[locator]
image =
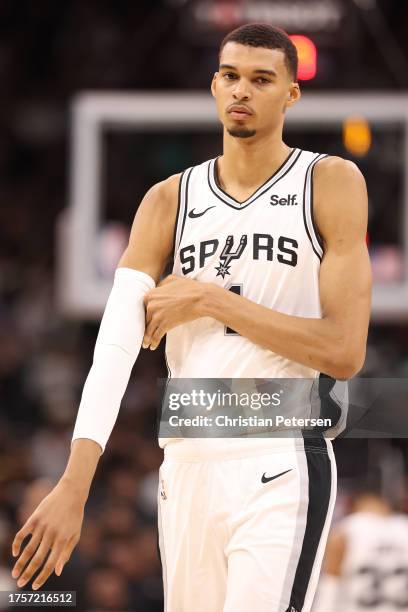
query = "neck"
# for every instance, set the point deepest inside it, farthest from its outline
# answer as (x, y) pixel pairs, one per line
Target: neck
(373, 505)
(250, 161)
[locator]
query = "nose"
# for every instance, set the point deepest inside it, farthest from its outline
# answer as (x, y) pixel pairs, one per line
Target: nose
(241, 90)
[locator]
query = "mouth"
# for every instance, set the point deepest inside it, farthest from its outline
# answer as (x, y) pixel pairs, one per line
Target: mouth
(239, 112)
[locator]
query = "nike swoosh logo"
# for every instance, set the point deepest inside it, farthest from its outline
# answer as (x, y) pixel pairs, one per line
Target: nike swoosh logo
(194, 215)
(265, 479)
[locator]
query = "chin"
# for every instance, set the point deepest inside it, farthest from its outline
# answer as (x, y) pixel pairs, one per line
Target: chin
(241, 132)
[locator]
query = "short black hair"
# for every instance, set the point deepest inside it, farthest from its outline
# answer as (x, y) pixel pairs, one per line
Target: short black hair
(267, 36)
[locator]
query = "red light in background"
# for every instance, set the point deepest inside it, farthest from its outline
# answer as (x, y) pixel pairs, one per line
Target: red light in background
(307, 56)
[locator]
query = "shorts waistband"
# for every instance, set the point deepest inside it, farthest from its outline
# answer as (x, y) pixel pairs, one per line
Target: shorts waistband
(205, 449)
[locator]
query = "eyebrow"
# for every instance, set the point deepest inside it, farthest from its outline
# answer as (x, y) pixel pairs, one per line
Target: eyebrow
(257, 71)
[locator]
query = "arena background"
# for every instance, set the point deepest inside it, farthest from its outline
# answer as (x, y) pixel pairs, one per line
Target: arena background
(51, 54)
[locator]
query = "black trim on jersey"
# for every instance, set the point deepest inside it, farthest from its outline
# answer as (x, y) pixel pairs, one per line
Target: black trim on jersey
(177, 214)
(176, 225)
(242, 205)
(189, 170)
(169, 374)
(217, 182)
(329, 407)
(316, 231)
(320, 491)
(186, 205)
(304, 206)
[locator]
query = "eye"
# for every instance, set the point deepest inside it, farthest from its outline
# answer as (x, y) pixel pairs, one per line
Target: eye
(262, 80)
(229, 76)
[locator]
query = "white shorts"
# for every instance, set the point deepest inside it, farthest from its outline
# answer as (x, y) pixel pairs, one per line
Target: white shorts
(243, 524)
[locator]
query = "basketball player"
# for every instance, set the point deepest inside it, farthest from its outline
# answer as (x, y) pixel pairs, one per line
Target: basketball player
(366, 561)
(242, 523)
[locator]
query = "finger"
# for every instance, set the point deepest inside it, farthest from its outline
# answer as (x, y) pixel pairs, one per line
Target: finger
(156, 338)
(27, 553)
(149, 331)
(65, 555)
(37, 560)
(26, 529)
(49, 565)
(149, 312)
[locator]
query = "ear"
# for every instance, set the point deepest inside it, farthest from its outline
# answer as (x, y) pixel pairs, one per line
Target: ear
(293, 95)
(213, 83)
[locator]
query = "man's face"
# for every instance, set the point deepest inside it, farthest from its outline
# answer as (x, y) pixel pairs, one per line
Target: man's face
(252, 89)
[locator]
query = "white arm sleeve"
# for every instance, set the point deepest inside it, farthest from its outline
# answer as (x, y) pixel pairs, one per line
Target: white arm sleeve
(117, 346)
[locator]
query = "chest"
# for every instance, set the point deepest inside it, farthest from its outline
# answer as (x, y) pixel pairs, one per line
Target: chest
(267, 233)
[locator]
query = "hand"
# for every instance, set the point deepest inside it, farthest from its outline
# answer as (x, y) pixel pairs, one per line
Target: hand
(174, 301)
(55, 524)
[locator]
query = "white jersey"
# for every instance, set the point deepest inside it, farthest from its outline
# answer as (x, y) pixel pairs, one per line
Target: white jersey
(375, 567)
(266, 249)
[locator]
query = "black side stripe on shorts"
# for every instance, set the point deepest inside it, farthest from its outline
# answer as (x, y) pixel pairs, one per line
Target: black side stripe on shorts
(320, 484)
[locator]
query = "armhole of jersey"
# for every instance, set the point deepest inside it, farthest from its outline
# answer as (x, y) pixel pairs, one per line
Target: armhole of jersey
(181, 209)
(311, 229)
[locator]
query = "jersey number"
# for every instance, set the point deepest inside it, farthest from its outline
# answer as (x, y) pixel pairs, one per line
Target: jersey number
(382, 587)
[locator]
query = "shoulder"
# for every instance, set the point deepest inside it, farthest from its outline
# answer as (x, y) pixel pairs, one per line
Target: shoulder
(167, 192)
(334, 169)
(400, 520)
(339, 190)
(162, 198)
(340, 203)
(167, 189)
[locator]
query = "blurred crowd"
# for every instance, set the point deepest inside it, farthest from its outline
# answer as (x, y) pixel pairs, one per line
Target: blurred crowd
(48, 52)
(116, 564)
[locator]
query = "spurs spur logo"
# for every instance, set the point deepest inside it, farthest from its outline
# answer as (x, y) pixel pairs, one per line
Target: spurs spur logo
(228, 255)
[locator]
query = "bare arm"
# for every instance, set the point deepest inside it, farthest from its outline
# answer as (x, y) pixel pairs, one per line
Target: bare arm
(329, 590)
(334, 554)
(151, 239)
(81, 466)
(334, 344)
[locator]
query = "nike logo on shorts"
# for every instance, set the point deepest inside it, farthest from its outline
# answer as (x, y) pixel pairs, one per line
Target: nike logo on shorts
(194, 215)
(268, 479)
